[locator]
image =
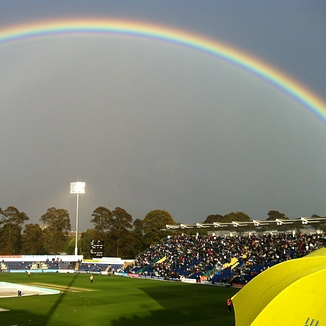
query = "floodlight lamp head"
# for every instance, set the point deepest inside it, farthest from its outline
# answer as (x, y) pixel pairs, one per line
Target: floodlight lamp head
(77, 187)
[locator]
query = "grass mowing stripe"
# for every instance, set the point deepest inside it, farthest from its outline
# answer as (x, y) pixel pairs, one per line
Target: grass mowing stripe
(60, 287)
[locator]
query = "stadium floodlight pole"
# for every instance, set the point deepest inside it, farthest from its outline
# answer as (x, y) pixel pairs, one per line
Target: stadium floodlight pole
(77, 188)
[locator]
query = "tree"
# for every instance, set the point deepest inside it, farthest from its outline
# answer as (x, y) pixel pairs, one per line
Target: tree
(70, 248)
(121, 243)
(10, 236)
(120, 236)
(56, 219)
(55, 235)
(273, 215)
(153, 224)
(32, 240)
(121, 219)
(12, 215)
(138, 234)
(102, 218)
(12, 221)
(214, 218)
(117, 227)
(238, 216)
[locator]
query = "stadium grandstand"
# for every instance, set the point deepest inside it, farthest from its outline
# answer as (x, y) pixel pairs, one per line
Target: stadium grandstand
(225, 254)
(229, 254)
(59, 264)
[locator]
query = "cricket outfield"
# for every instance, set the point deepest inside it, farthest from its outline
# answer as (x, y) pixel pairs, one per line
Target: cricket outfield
(110, 300)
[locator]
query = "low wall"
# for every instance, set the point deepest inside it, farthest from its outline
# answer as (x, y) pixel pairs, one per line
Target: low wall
(39, 258)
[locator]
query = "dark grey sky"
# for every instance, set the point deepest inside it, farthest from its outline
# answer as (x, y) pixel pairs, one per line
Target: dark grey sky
(150, 125)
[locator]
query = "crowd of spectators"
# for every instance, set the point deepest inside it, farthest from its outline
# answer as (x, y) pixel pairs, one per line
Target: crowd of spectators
(192, 256)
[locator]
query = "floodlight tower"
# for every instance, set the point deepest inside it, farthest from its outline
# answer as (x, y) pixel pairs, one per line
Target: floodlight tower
(77, 188)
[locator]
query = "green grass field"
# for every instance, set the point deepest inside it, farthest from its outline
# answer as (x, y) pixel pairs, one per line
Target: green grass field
(115, 300)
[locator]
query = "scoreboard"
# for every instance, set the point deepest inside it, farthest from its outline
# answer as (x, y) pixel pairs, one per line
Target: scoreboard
(97, 248)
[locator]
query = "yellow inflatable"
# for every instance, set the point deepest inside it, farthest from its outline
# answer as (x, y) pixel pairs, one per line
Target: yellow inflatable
(290, 293)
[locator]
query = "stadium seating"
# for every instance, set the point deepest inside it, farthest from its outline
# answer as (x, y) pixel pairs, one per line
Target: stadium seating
(222, 259)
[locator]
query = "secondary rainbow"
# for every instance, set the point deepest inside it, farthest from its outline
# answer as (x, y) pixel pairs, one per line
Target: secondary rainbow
(138, 29)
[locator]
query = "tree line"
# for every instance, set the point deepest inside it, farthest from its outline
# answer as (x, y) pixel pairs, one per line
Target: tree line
(123, 237)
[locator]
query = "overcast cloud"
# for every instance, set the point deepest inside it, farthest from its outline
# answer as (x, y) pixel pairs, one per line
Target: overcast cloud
(150, 125)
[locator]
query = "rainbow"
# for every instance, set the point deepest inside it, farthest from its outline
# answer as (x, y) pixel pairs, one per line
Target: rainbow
(137, 29)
